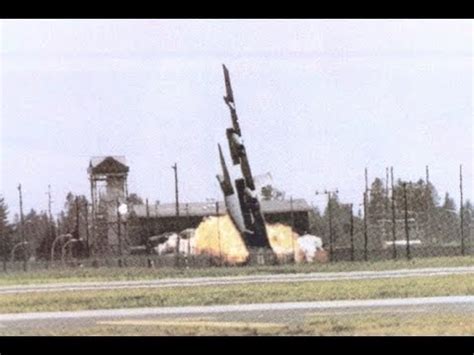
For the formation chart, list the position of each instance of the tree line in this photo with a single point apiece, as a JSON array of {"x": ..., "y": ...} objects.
[{"x": 433, "y": 220}]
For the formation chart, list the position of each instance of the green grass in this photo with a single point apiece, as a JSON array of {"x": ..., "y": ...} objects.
[
  {"x": 338, "y": 325},
  {"x": 239, "y": 294},
  {"x": 58, "y": 275},
  {"x": 389, "y": 324}
]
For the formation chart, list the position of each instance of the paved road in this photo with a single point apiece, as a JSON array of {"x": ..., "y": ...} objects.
[
  {"x": 233, "y": 280},
  {"x": 261, "y": 314}
]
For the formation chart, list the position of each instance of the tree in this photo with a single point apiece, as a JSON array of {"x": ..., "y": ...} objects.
[
  {"x": 377, "y": 200},
  {"x": 339, "y": 218},
  {"x": 74, "y": 219},
  {"x": 316, "y": 223},
  {"x": 468, "y": 219},
  {"x": 449, "y": 203},
  {"x": 134, "y": 199},
  {"x": 37, "y": 230}
]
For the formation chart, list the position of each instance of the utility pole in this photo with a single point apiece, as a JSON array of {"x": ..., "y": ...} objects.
[
  {"x": 351, "y": 231},
  {"x": 22, "y": 232},
  {"x": 461, "y": 210},
  {"x": 394, "y": 221},
  {"x": 50, "y": 217},
  {"x": 175, "y": 168},
  {"x": 49, "y": 204},
  {"x": 366, "y": 180},
  {"x": 407, "y": 234},
  {"x": 365, "y": 227}
]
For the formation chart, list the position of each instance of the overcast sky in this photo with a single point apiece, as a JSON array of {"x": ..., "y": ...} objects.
[{"x": 318, "y": 101}]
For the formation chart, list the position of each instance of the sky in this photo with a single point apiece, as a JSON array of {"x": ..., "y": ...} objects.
[{"x": 318, "y": 101}]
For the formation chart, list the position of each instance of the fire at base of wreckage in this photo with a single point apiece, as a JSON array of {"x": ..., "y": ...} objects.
[{"x": 217, "y": 237}]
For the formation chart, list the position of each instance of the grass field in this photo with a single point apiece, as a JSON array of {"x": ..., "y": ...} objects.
[
  {"x": 395, "y": 324},
  {"x": 239, "y": 294},
  {"x": 57, "y": 275}
]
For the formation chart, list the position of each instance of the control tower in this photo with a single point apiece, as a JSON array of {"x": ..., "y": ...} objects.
[{"x": 108, "y": 183}]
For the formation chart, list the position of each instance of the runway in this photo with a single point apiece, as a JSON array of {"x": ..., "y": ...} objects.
[
  {"x": 234, "y": 280},
  {"x": 270, "y": 314}
]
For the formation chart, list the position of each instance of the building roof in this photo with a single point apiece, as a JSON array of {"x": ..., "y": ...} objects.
[
  {"x": 202, "y": 209},
  {"x": 108, "y": 164}
]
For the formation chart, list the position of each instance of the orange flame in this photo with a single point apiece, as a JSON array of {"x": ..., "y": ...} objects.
[
  {"x": 283, "y": 240},
  {"x": 217, "y": 236}
]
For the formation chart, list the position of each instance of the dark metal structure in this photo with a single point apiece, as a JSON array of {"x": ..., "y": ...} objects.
[
  {"x": 240, "y": 195},
  {"x": 108, "y": 182}
]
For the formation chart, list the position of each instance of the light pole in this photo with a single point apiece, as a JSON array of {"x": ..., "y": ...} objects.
[
  {"x": 329, "y": 193},
  {"x": 175, "y": 168},
  {"x": 122, "y": 209}
]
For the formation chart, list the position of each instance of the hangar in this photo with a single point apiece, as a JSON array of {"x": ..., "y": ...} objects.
[{"x": 161, "y": 218}]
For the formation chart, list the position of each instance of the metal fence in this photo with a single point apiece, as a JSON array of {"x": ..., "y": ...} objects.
[{"x": 393, "y": 220}]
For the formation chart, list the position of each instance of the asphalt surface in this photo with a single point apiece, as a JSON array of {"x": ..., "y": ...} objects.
[
  {"x": 266, "y": 314},
  {"x": 233, "y": 280}
]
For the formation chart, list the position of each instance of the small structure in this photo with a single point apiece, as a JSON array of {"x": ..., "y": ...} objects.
[{"x": 108, "y": 183}]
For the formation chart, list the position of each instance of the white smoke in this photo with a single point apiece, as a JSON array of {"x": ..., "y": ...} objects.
[{"x": 308, "y": 246}]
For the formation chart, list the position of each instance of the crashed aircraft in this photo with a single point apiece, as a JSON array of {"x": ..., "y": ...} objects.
[{"x": 241, "y": 195}]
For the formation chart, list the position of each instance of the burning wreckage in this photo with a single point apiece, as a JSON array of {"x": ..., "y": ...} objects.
[
  {"x": 242, "y": 233},
  {"x": 240, "y": 197}
]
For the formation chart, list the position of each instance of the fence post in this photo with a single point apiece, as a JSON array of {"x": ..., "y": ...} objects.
[
  {"x": 119, "y": 233},
  {"x": 407, "y": 234},
  {"x": 330, "y": 227},
  {"x": 352, "y": 231},
  {"x": 461, "y": 210},
  {"x": 365, "y": 226},
  {"x": 22, "y": 232},
  {"x": 292, "y": 230},
  {"x": 4, "y": 250},
  {"x": 219, "y": 233},
  {"x": 394, "y": 221}
]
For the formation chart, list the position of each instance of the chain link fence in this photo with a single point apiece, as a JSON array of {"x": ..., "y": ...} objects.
[{"x": 400, "y": 220}]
